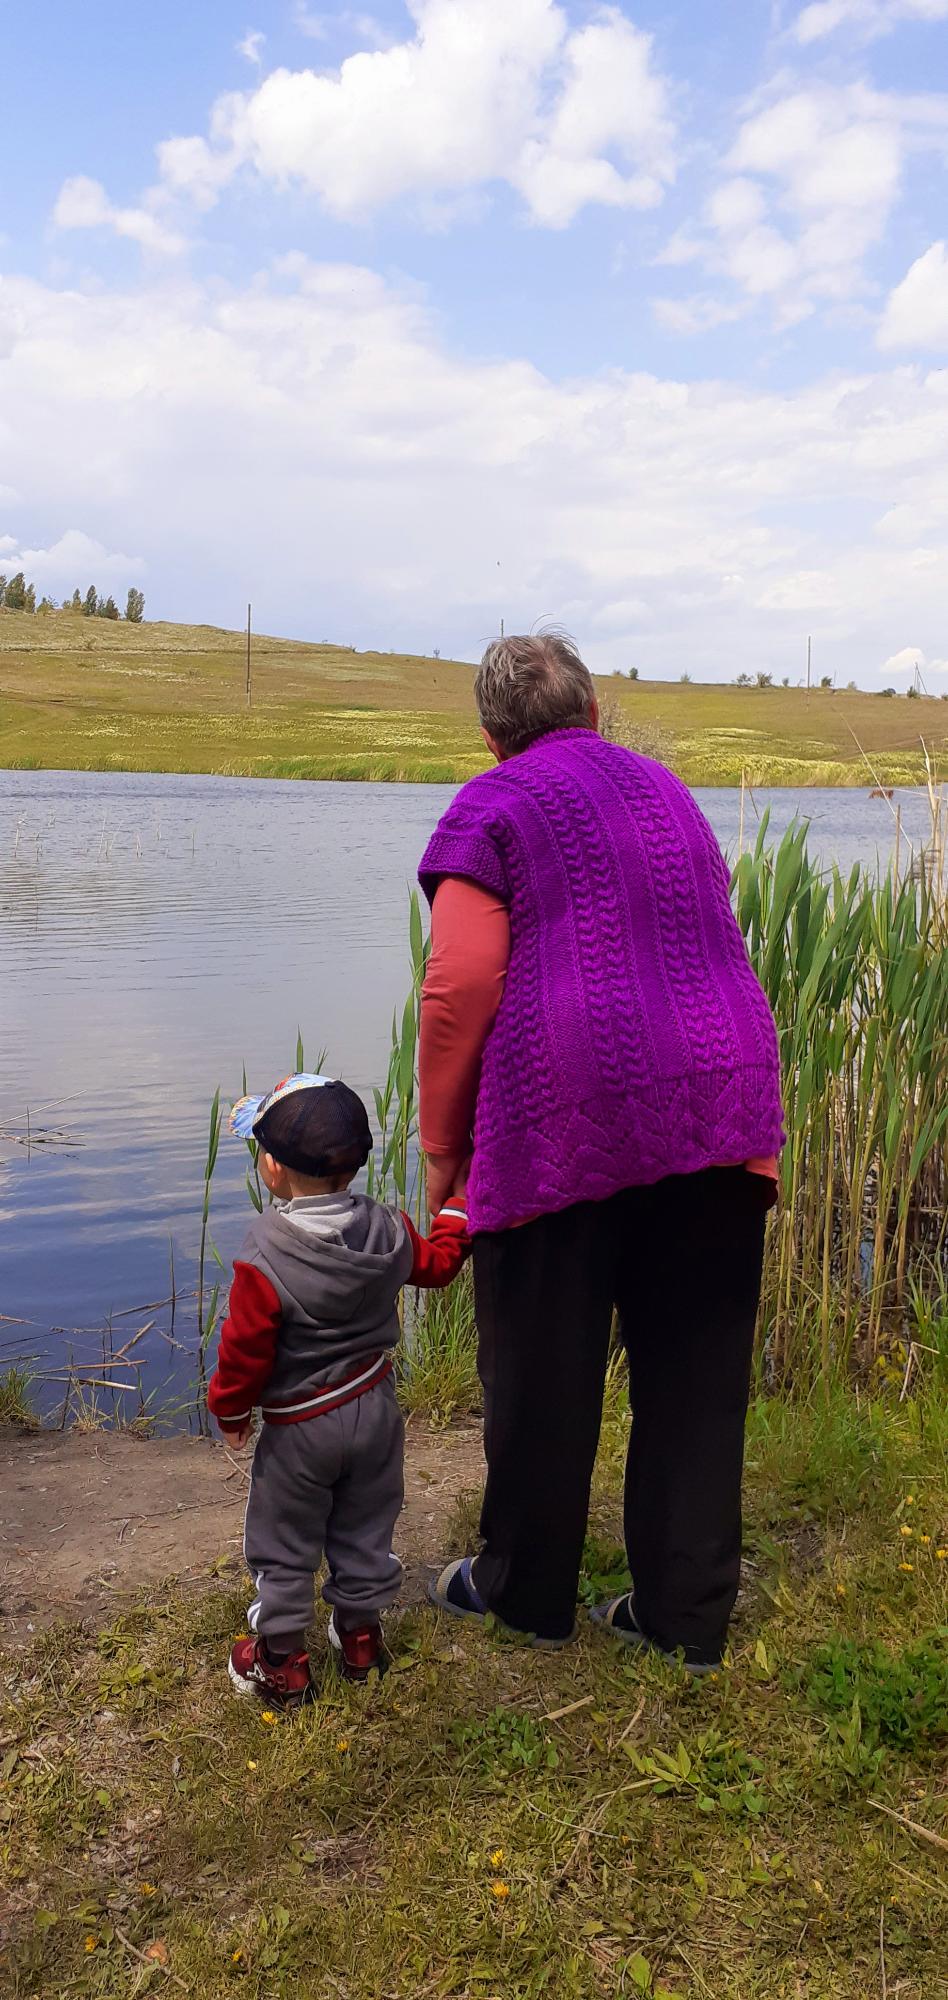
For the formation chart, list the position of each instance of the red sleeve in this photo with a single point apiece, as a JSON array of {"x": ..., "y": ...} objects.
[
  {"x": 464, "y": 985},
  {"x": 439, "y": 1256},
  {"x": 247, "y": 1348}
]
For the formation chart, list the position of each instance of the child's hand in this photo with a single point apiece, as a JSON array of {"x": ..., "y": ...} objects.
[{"x": 239, "y": 1437}]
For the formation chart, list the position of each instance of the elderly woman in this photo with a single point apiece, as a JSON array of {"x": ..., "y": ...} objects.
[{"x": 600, "y": 1064}]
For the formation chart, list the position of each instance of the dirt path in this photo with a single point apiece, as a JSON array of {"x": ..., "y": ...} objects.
[{"x": 87, "y": 1521}]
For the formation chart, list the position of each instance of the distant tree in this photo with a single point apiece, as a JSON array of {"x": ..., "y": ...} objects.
[
  {"x": 107, "y": 608},
  {"x": 851, "y": 687},
  {"x": 685, "y": 680},
  {"x": 15, "y": 595},
  {"x": 436, "y": 652},
  {"x": 135, "y": 606},
  {"x": 888, "y": 692},
  {"x": 90, "y": 603},
  {"x": 618, "y": 726},
  {"x": 3, "y": 590},
  {"x": 75, "y": 602},
  {"x": 633, "y": 673},
  {"x": 30, "y": 597},
  {"x": 912, "y": 693},
  {"x": 47, "y": 604},
  {"x": 743, "y": 681},
  {"x": 785, "y": 683},
  {"x": 764, "y": 681},
  {"x": 827, "y": 681}
]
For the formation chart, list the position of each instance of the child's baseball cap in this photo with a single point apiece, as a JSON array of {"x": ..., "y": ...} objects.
[{"x": 314, "y": 1125}]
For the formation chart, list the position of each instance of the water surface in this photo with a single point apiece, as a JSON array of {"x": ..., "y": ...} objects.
[{"x": 158, "y": 933}]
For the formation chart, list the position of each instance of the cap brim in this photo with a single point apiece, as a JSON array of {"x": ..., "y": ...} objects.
[{"x": 243, "y": 1114}]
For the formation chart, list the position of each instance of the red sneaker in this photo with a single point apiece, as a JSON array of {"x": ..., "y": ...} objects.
[
  {"x": 286, "y": 1686},
  {"x": 360, "y": 1652}
]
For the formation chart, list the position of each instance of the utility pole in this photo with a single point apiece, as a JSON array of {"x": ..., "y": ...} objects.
[
  {"x": 249, "y": 667},
  {"x": 809, "y": 659}
]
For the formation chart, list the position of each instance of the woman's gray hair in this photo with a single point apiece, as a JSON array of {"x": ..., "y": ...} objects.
[{"x": 528, "y": 686}]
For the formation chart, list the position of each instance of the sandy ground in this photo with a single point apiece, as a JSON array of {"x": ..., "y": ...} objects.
[{"x": 86, "y": 1522}]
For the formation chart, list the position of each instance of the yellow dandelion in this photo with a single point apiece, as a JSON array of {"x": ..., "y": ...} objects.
[
  {"x": 268, "y": 1715},
  {"x": 941, "y": 1554},
  {"x": 146, "y": 1889},
  {"x": 91, "y": 1944},
  {"x": 497, "y": 1858},
  {"x": 251, "y": 1763},
  {"x": 501, "y": 1890},
  {"x": 904, "y": 1530},
  {"x": 908, "y": 1568},
  {"x": 909, "y": 1499},
  {"x": 237, "y": 1957},
  {"x": 342, "y": 1745},
  {"x": 840, "y": 1590},
  {"x": 924, "y": 1539}
]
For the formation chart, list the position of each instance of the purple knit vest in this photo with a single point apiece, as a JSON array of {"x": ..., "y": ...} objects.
[{"x": 633, "y": 1040}]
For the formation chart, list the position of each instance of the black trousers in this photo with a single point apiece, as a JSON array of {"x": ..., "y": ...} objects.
[{"x": 681, "y": 1262}]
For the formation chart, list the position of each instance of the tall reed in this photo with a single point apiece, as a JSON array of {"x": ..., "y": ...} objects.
[{"x": 856, "y": 970}]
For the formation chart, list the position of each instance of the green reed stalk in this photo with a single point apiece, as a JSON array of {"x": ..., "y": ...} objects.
[{"x": 207, "y": 1321}]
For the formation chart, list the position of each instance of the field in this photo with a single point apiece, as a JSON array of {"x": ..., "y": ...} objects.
[
  {"x": 491, "y": 1823},
  {"x": 81, "y": 694}
]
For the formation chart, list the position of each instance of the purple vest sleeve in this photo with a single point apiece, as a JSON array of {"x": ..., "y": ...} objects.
[{"x": 462, "y": 846}]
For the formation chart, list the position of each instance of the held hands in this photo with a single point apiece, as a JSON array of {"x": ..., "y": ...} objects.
[{"x": 445, "y": 1176}]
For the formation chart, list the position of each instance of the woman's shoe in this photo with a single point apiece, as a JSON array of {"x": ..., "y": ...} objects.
[
  {"x": 618, "y": 1617},
  {"x": 455, "y": 1592}
]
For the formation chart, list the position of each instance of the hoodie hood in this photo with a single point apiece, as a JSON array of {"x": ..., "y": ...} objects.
[{"x": 340, "y": 1259}]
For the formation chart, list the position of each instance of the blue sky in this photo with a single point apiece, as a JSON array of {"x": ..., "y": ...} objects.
[{"x": 402, "y": 320}]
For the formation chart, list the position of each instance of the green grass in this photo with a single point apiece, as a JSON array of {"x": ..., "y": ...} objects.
[
  {"x": 653, "y": 1835},
  {"x": 16, "y": 1406},
  {"x": 80, "y": 694}
]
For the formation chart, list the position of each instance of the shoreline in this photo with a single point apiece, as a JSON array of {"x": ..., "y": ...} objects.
[{"x": 756, "y": 774}]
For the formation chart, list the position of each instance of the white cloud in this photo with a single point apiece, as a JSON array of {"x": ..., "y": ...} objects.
[
  {"x": 908, "y": 658},
  {"x": 312, "y": 442},
  {"x": 811, "y": 182},
  {"x": 480, "y": 93},
  {"x": 76, "y": 558},
  {"x": 867, "y": 17},
  {"x": 251, "y": 45},
  {"x": 343, "y": 20},
  {"x": 916, "y": 315},
  {"x": 84, "y": 204},
  {"x": 700, "y": 313}
]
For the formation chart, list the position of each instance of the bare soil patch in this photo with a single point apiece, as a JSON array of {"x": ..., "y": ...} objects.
[{"x": 87, "y": 1521}]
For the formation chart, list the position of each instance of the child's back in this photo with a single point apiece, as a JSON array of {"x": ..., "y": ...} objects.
[{"x": 309, "y": 1338}]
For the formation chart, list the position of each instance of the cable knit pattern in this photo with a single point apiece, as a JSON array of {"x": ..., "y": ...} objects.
[{"x": 633, "y": 1040}]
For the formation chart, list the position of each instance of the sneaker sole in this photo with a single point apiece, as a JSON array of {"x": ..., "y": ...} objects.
[{"x": 238, "y": 1683}]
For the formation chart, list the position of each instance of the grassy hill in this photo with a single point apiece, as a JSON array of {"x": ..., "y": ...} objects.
[{"x": 81, "y": 694}]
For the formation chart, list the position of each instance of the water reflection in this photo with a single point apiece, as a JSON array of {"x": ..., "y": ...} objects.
[{"x": 156, "y": 933}]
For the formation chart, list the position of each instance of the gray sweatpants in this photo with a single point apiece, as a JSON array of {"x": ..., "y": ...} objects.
[{"x": 332, "y": 1485}]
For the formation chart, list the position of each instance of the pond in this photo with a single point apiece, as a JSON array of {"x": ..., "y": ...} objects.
[{"x": 156, "y": 935}]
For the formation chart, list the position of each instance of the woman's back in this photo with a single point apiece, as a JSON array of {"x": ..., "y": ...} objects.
[{"x": 633, "y": 1040}]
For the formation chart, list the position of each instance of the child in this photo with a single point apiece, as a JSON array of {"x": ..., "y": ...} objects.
[{"x": 311, "y": 1325}]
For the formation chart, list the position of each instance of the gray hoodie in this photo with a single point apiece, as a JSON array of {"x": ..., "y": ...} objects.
[{"x": 337, "y": 1263}]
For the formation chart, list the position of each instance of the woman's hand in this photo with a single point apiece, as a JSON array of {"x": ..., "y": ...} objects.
[{"x": 446, "y": 1175}]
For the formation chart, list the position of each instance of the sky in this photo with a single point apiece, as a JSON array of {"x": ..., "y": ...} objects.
[{"x": 632, "y": 318}]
